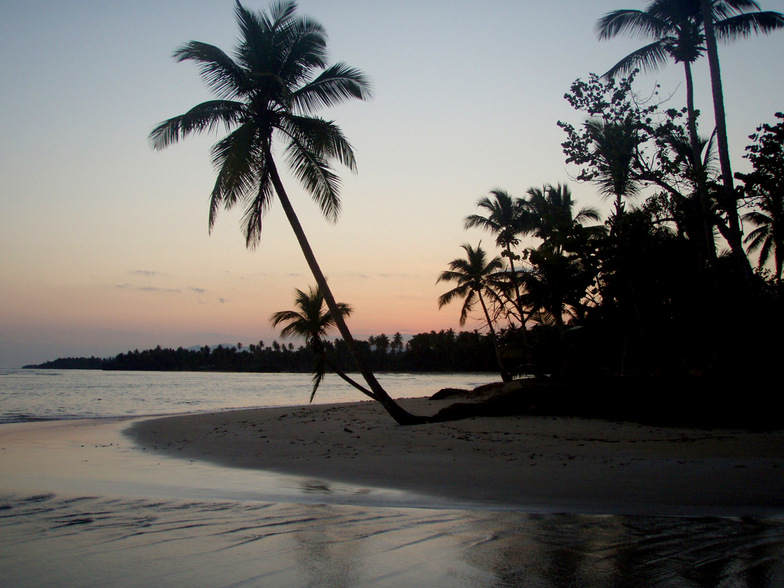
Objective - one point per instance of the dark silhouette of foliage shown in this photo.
(477, 279)
(765, 187)
(311, 322)
(69, 363)
(442, 351)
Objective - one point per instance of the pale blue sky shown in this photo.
(104, 242)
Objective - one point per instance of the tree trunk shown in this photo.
(400, 415)
(705, 243)
(518, 301)
(729, 201)
(346, 378)
(504, 374)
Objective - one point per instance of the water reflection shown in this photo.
(89, 541)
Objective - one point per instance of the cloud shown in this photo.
(197, 290)
(154, 289)
(146, 288)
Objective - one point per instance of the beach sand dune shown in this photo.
(527, 462)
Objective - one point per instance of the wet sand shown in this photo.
(516, 462)
(483, 502)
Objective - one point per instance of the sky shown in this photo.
(104, 244)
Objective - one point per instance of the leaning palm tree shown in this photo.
(312, 322)
(507, 218)
(266, 95)
(476, 278)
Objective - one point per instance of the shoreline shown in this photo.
(530, 463)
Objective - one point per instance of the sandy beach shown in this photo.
(339, 495)
(516, 462)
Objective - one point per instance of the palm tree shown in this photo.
(476, 278)
(557, 264)
(716, 15)
(553, 216)
(768, 236)
(312, 322)
(266, 94)
(615, 145)
(678, 33)
(678, 29)
(507, 218)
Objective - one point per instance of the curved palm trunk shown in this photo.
(504, 374)
(319, 348)
(400, 415)
(735, 235)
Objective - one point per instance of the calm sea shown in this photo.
(30, 395)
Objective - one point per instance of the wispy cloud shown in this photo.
(197, 290)
(147, 288)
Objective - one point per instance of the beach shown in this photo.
(555, 464)
(340, 495)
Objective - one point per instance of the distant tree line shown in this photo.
(442, 351)
(71, 363)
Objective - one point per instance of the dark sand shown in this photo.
(518, 462)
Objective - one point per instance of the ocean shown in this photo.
(35, 395)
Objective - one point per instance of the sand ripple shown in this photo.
(48, 540)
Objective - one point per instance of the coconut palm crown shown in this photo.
(476, 277)
(312, 322)
(676, 27)
(277, 77)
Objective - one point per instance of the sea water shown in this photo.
(32, 395)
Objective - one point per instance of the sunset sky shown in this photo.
(104, 242)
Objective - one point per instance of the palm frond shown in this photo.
(317, 177)
(319, 371)
(278, 73)
(744, 25)
(256, 208)
(629, 21)
(219, 71)
(649, 59)
(333, 86)
(321, 136)
(457, 292)
(205, 117)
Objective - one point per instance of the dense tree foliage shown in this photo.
(442, 351)
(649, 291)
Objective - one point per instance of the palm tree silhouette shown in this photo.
(615, 145)
(507, 218)
(265, 96)
(476, 278)
(678, 29)
(768, 236)
(553, 216)
(678, 33)
(312, 322)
